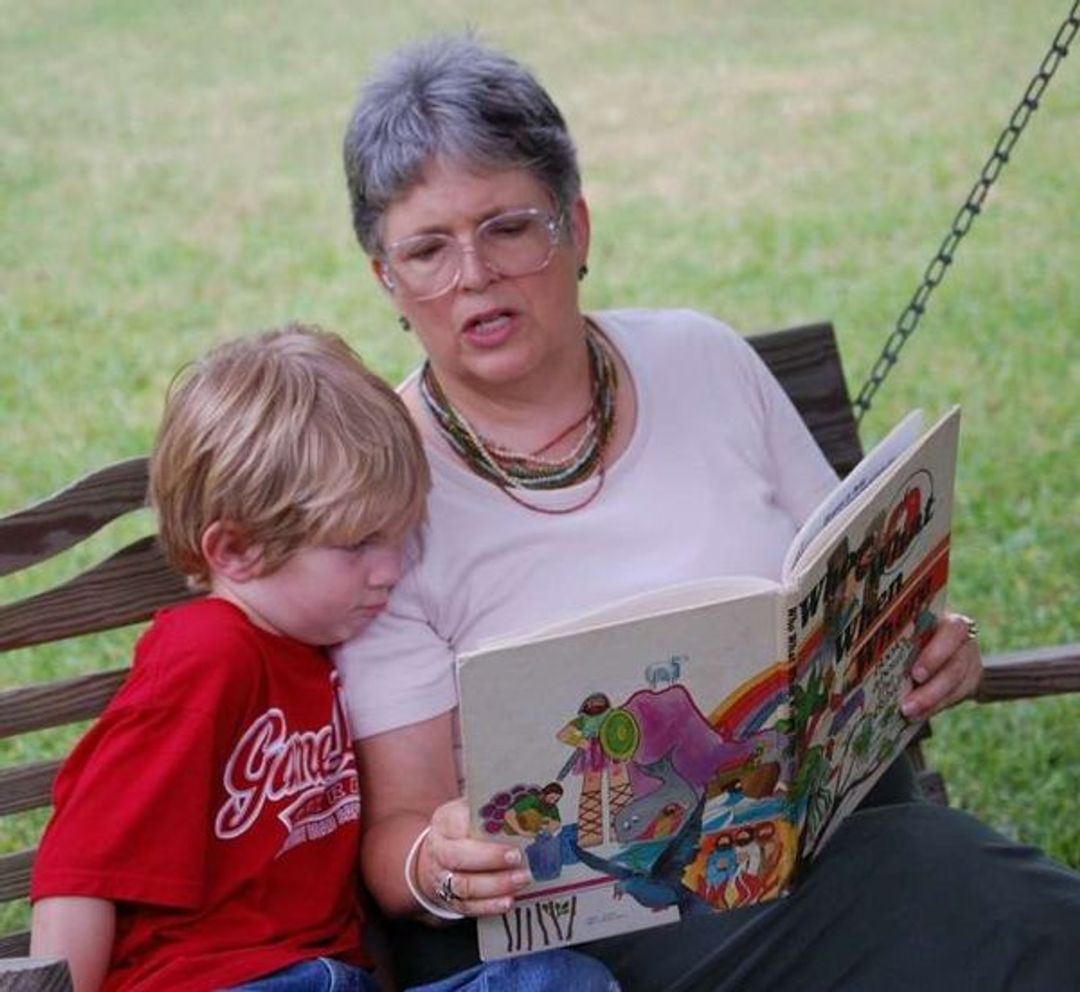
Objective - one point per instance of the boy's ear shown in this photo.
(229, 552)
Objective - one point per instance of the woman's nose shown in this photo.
(475, 272)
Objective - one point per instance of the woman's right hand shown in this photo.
(409, 780)
(483, 875)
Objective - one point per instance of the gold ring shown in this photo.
(972, 628)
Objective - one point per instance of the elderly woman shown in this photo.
(579, 458)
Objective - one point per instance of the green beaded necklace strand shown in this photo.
(513, 471)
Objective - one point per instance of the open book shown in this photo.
(688, 749)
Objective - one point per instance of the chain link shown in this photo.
(935, 271)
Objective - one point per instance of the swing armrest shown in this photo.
(34, 975)
(1030, 673)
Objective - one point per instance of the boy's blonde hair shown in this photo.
(287, 436)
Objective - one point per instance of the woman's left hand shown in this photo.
(947, 671)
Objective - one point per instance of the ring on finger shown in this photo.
(445, 892)
(972, 628)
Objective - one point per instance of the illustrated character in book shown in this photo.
(535, 811)
(662, 885)
(599, 758)
(758, 855)
(720, 871)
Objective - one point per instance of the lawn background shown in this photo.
(170, 177)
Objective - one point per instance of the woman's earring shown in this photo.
(582, 272)
(404, 322)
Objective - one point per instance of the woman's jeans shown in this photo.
(548, 971)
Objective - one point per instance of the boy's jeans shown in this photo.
(550, 971)
(315, 975)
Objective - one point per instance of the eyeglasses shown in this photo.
(516, 243)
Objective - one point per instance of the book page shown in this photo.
(640, 764)
(858, 618)
(683, 595)
(870, 468)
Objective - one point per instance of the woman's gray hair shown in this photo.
(451, 97)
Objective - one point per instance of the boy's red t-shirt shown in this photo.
(217, 803)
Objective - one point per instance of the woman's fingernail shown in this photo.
(505, 905)
(918, 674)
(909, 709)
(513, 856)
(520, 877)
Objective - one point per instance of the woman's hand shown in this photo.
(474, 877)
(947, 671)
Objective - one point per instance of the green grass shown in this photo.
(169, 176)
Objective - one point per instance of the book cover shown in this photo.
(685, 751)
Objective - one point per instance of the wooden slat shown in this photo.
(34, 975)
(54, 704)
(930, 782)
(14, 945)
(123, 589)
(71, 515)
(27, 786)
(807, 363)
(1030, 673)
(15, 874)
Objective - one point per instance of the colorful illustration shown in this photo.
(656, 763)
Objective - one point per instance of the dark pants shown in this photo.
(905, 896)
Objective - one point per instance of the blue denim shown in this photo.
(314, 975)
(547, 971)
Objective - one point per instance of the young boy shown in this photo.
(206, 829)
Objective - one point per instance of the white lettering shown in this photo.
(269, 764)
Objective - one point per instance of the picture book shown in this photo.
(688, 750)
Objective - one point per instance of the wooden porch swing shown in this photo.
(130, 586)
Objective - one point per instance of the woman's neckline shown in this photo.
(444, 457)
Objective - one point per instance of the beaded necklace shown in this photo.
(513, 471)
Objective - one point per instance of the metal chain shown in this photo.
(935, 271)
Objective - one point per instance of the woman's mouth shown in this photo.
(489, 328)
